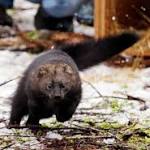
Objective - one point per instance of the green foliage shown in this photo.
(33, 35)
(108, 125)
(89, 121)
(116, 106)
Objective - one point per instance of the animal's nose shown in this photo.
(57, 97)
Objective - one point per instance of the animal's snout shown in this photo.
(57, 97)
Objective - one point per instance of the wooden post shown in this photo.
(99, 18)
(112, 27)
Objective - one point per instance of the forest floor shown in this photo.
(114, 112)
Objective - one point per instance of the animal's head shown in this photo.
(55, 80)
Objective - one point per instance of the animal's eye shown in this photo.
(49, 86)
(62, 86)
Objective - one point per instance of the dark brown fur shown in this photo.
(51, 84)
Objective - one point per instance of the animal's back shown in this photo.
(53, 56)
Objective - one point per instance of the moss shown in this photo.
(4, 142)
(102, 105)
(52, 124)
(22, 140)
(135, 136)
(146, 122)
(125, 86)
(116, 106)
(147, 131)
(39, 133)
(33, 35)
(89, 121)
(70, 141)
(107, 125)
(139, 142)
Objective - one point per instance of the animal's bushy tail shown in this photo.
(92, 52)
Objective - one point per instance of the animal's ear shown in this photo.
(68, 69)
(65, 68)
(42, 71)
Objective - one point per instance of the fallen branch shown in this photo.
(89, 137)
(92, 113)
(145, 17)
(34, 127)
(7, 146)
(88, 128)
(97, 91)
(128, 97)
(6, 82)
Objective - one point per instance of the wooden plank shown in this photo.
(137, 52)
(99, 18)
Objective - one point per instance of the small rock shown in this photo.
(51, 135)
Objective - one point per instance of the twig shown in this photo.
(1, 97)
(94, 88)
(89, 137)
(145, 17)
(92, 113)
(2, 120)
(90, 123)
(17, 135)
(88, 128)
(48, 128)
(128, 97)
(37, 43)
(135, 98)
(1, 84)
(7, 146)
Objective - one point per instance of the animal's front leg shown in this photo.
(33, 121)
(18, 110)
(33, 118)
(66, 110)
